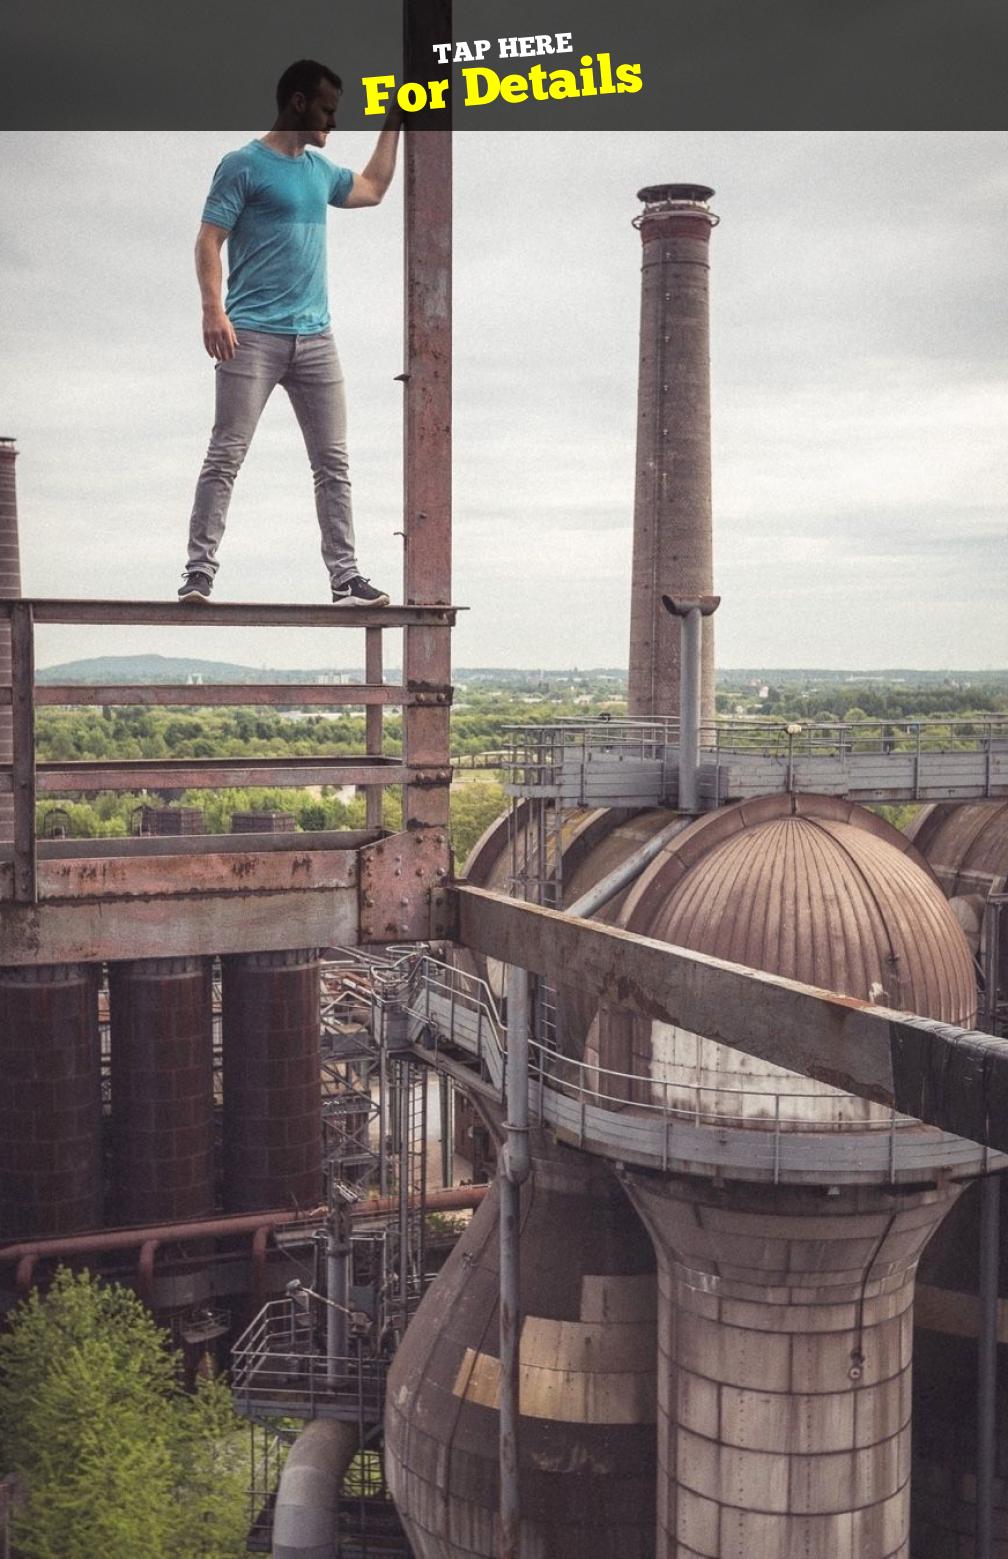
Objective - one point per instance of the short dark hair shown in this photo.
(304, 76)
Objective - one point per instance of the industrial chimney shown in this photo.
(673, 551)
(10, 586)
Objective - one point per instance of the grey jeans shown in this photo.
(309, 370)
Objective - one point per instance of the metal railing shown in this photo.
(635, 762)
(279, 1366)
(462, 1008)
(30, 780)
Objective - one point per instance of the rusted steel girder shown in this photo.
(953, 1078)
(427, 380)
(228, 614)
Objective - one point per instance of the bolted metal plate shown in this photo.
(402, 882)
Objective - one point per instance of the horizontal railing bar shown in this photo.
(237, 614)
(275, 694)
(144, 845)
(211, 773)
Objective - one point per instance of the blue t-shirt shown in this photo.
(274, 208)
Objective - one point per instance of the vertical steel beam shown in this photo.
(23, 696)
(373, 727)
(691, 611)
(427, 472)
(514, 1170)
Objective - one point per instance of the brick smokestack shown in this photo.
(10, 585)
(673, 545)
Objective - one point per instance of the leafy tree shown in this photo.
(114, 1457)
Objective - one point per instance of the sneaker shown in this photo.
(358, 592)
(195, 586)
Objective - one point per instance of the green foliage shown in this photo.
(114, 1457)
(474, 805)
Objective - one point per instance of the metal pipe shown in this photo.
(305, 1521)
(515, 1165)
(164, 1233)
(990, 1226)
(691, 611)
(689, 711)
(608, 886)
(337, 1292)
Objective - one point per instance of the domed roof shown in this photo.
(965, 844)
(800, 887)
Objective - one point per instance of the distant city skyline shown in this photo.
(860, 391)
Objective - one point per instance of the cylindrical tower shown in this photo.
(789, 1227)
(272, 1080)
(10, 588)
(162, 1090)
(673, 545)
(587, 1442)
(50, 1101)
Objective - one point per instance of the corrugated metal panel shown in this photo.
(966, 845)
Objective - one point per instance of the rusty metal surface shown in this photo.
(272, 1099)
(946, 1076)
(207, 773)
(587, 1447)
(965, 845)
(140, 847)
(278, 695)
(50, 1101)
(427, 492)
(252, 614)
(172, 873)
(90, 930)
(826, 902)
(402, 879)
(162, 1134)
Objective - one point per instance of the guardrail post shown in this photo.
(23, 771)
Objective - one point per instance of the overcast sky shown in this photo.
(860, 393)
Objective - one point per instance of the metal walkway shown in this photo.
(455, 1024)
(634, 763)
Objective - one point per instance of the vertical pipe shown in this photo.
(373, 728)
(514, 1169)
(337, 1286)
(990, 1224)
(689, 713)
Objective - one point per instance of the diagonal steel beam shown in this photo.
(953, 1078)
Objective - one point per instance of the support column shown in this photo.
(427, 473)
(785, 1332)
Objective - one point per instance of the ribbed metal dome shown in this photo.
(816, 898)
(965, 845)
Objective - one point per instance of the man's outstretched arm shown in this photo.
(369, 186)
(218, 332)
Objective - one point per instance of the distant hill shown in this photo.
(166, 668)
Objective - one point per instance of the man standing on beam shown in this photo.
(269, 200)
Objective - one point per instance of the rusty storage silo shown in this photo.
(966, 846)
(673, 539)
(272, 1080)
(587, 1379)
(790, 1224)
(162, 1090)
(50, 1101)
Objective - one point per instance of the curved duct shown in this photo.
(305, 1517)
